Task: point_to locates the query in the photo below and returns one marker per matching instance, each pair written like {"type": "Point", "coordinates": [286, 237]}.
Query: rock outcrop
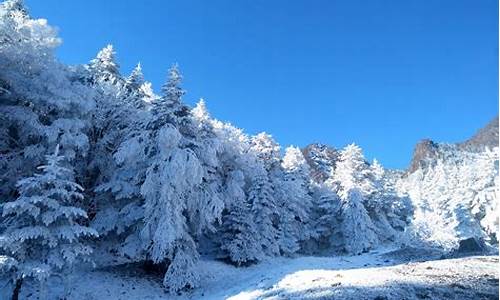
{"type": "Point", "coordinates": [321, 159]}
{"type": "Point", "coordinates": [427, 151]}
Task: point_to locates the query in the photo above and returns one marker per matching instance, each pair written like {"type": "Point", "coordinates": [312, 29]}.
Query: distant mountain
{"type": "Point", "coordinates": [485, 137]}
{"type": "Point", "coordinates": [323, 158]}
{"type": "Point", "coordinates": [427, 151]}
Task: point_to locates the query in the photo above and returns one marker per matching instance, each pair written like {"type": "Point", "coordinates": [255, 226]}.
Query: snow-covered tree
{"type": "Point", "coordinates": [15, 6]}
{"type": "Point", "coordinates": [172, 90]}
{"type": "Point", "coordinates": [35, 92]}
{"type": "Point", "coordinates": [104, 67]}
{"type": "Point", "coordinates": [136, 93]}
{"type": "Point", "coordinates": [389, 211]}
{"type": "Point", "coordinates": [265, 213]}
{"type": "Point", "coordinates": [206, 209]}
{"type": "Point", "coordinates": [169, 108]}
{"type": "Point", "coordinates": [136, 78]}
{"type": "Point", "coordinates": [325, 215]}
{"type": "Point", "coordinates": [295, 201]}
{"type": "Point", "coordinates": [167, 191]}
{"type": "Point", "coordinates": [267, 151]}
{"type": "Point", "coordinates": [357, 227]}
{"type": "Point", "coordinates": [43, 233]}
{"type": "Point", "coordinates": [183, 271]}
{"type": "Point", "coordinates": [352, 171]}
{"type": "Point", "coordinates": [118, 200]}
{"type": "Point", "coordinates": [239, 235]}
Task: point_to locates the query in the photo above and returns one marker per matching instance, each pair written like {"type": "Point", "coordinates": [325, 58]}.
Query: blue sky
{"type": "Point", "coordinates": [383, 74]}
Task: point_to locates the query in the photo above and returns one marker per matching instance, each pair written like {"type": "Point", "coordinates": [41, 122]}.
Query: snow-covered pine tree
{"type": "Point", "coordinates": [172, 90]}
{"type": "Point", "coordinates": [206, 209]}
{"type": "Point", "coordinates": [295, 201]}
{"type": "Point", "coordinates": [136, 78]}
{"type": "Point", "coordinates": [41, 104]}
{"type": "Point", "coordinates": [169, 108]}
{"type": "Point", "coordinates": [237, 237]}
{"type": "Point", "coordinates": [326, 229]}
{"type": "Point", "coordinates": [357, 227]}
{"type": "Point", "coordinates": [121, 152]}
{"type": "Point", "coordinates": [264, 209]}
{"type": "Point", "coordinates": [110, 115]}
{"type": "Point", "coordinates": [135, 94]}
{"type": "Point", "coordinates": [238, 233]}
{"type": "Point", "coordinates": [118, 156]}
{"type": "Point", "coordinates": [267, 151]}
{"type": "Point", "coordinates": [382, 203]}
{"type": "Point", "coordinates": [104, 67]}
{"type": "Point", "coordinates": [265, 173]}
{"type": "Point", "coordinates": [377, 170]}
{"type": "Point", "coordinates": [43, 232]}
{"type": "Point", "coordinates": [478, 180]}
{"type": "Point", "coordinates": [183, 272]}
{"type": "Point", "coordinates": [118, 200]}
{"type": "Point", "coordinates": [167, 190]}
{"type": "Point", "coordinates": [485, 202]}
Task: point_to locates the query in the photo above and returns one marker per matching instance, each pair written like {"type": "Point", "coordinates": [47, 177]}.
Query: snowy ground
{"type": "Point", "coordinates": [369, 276]}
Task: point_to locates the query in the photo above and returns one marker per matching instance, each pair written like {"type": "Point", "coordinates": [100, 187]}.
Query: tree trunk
{"type": "Point", "coordinates": [17, 289]}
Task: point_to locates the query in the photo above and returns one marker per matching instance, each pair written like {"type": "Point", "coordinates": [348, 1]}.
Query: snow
{"type": "Point", "coordinates": [366, 276]}
{"type": "Point", "coordinates": [408, 281]}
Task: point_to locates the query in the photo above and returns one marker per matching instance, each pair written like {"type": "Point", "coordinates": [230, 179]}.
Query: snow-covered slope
{"type": "Point", "coordinates": [368, 276]}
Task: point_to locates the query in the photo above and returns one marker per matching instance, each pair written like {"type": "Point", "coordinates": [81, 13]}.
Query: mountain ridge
{"type": "Point", "coordinates": [426, 151]}
{"type": "Point", "coordinates": [322, 158]}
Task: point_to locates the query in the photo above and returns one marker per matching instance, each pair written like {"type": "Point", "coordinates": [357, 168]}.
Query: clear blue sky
{"type": "Point", "coordinates": [383, 74]}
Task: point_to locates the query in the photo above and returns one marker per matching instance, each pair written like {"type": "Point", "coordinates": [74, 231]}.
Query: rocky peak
{"type": "Point", "coordinates": [427, 151]}
{"type": "Point", "coordinates": [321, 159]}
{"type": "Point", "coordinates": [485, 137]}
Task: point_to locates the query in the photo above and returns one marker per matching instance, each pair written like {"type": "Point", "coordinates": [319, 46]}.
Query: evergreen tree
{"type": "Point", "coordinates": [295, 201]}
{"type": "Point", "coordinates": [208, 205]}
{"type": "Point", "coordinates": [326, 228]}
{"type": "Point", "coordinates": [40, 102]}
{"type": "Point", "coordinates": [169, 108]}
{"type": "Point", "coordinates": [352, 171]}
{"type": "Point", "coordinates": [136, 79]}
{"type": "Point", "coordinates": [135, 93]}
{"type": "Point", "coordinates": [267, 151]}
{"type": "Point", "coordinates": [104, 67]}
{"type": "Point", "coordinates": [264, 209]}
{"type": "Point", "coordinates": [167, 191]}
{"type": "Point", "coordinates": [172, 91]}
{"type": "Point", "coordinates": [387, 209]}
{"type": "Point", "coordinates": [200, 112]}
{"type": "Point", "coordinates": [239, 235]}
{"type": "Point", "coordinates": [357, 227]}
{"type": "Point", "coordinates": [43, 233]}
{"type": "Point", "coordinates": [183, 272]}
